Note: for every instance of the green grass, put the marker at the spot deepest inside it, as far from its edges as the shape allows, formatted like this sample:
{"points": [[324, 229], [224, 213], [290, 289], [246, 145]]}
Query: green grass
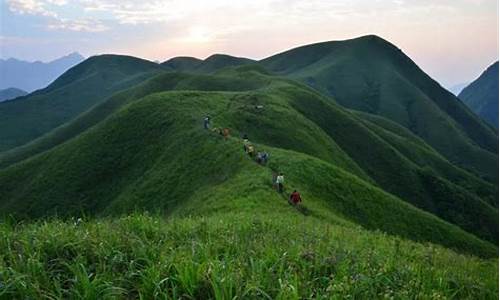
{"points": [[243, 255]]}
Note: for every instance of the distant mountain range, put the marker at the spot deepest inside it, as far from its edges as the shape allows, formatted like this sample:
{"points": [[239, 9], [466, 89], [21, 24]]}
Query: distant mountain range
{"points": [[11, 93], [31, 76], [481, 96]]}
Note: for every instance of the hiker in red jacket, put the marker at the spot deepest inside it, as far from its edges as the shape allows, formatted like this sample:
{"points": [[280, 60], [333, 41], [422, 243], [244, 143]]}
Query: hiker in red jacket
{"points": [[295, 198]]}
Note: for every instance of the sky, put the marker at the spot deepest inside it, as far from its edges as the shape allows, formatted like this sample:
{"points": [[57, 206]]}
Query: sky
{"points": [[451, 40]]}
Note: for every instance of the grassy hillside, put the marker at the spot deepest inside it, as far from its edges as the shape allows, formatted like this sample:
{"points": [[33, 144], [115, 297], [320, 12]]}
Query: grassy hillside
{"points": [[71, 94], [371, 75], [294, 117], [245, 255], [152, 154], [481, 96], [171, 210], [424, 156]]}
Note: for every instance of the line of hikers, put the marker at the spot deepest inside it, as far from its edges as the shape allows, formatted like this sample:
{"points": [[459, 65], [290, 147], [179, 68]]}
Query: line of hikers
{"points": [[279, 185], [261, 158]]}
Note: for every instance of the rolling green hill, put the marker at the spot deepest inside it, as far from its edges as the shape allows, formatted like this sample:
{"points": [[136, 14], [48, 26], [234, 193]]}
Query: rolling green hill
{"points": [[71, 94], [371, 75], [211, 64], [481, 96], [151, 153], [182, 63]]}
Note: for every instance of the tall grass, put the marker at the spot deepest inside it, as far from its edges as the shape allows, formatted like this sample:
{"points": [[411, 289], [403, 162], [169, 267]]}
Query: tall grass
{"points": [[275, 256]]}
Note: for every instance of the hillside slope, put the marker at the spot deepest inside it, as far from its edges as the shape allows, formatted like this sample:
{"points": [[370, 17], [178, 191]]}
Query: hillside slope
{"points": [[481, 96], [153, 154], [371, 75], [71, 94]]}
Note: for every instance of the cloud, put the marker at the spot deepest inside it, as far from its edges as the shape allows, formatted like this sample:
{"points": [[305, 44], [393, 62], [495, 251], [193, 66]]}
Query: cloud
{"points": [[87, 25], [55, 20], [31, 7]]}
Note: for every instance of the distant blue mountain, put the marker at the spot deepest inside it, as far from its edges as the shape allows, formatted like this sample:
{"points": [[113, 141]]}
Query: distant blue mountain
{"points": [[11, 93], [481, 96], [30, 76]]}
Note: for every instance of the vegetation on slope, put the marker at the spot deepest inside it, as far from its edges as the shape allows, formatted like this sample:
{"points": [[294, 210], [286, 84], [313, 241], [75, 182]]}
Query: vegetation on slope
{"points": [[244, 255]]}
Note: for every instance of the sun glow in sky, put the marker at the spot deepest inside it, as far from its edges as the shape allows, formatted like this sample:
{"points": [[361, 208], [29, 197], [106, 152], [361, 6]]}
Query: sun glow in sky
{"points": [[452, 40]]}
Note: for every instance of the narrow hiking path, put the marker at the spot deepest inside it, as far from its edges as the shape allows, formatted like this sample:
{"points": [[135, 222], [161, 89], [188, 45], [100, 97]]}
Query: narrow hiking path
{"points": [[224, 133]]}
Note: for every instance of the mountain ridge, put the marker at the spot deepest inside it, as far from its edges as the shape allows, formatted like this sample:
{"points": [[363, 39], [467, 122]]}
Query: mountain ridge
{"points": [[481, 96], [372, 75]]}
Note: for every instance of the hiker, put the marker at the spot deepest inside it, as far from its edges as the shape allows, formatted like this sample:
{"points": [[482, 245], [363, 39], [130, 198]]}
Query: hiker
{"points": [[206, 122], [225, 133], [262, 157], [250, 150], [258, 159], [246, 143], [280, 180], [275, 176], [295, 198]]}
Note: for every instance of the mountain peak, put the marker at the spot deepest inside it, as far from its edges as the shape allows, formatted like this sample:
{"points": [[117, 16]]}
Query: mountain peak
{"points": [[76, 55], [73, 56]]}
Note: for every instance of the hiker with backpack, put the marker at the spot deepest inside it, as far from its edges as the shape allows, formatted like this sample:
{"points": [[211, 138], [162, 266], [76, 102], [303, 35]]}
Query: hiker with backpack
{"points": [[295, 198], [262, 157], [250, 150], [246, 143], [280, 180]]}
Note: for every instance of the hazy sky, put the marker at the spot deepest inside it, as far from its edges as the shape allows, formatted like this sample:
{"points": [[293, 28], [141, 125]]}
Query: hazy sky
{"points": [[452, 40]]}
